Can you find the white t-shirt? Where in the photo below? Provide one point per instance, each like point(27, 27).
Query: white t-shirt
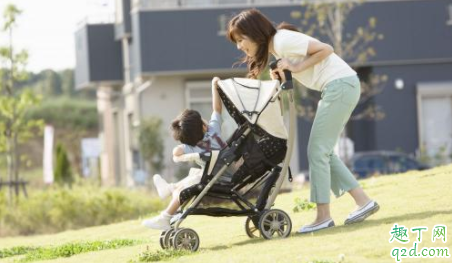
point(293, 46)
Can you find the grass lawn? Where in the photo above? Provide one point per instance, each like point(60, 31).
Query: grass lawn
point(412, 199)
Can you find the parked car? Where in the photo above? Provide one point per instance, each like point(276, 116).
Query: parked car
point(365, 164)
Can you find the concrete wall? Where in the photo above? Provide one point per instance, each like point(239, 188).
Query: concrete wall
point(399, 129)
point(190, 39)
point(165, 98)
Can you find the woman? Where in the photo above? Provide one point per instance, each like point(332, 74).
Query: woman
point(314, 65)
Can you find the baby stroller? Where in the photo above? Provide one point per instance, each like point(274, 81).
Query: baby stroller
point(262, 142)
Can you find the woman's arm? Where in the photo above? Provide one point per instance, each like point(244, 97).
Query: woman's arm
point(317, 51)
point(216, 101)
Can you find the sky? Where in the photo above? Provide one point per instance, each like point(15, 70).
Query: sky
point(46, 29)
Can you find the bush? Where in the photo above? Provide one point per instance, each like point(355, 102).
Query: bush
point(63, 171)
point(57, 209)
point(151, 142)
point(68, 113)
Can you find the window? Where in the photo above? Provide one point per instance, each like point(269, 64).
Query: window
point(199, 97)
point(449, 22)
point(434, 102)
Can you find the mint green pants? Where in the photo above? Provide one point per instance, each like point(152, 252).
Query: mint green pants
point(326, 170)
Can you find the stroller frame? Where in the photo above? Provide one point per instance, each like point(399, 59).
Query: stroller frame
point(259, 216)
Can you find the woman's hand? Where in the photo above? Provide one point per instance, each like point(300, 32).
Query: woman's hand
point(284, 64)
point(277, 74)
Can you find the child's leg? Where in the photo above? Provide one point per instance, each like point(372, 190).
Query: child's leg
point(193, 177)
point(164, 189)
point(162, 221)
point(174, 204)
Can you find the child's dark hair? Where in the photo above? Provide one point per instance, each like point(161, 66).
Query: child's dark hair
point(188, 127)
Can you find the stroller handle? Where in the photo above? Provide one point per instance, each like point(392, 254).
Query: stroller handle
point(287, 74)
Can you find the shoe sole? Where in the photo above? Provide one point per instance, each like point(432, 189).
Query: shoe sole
point(364, 216)
point(329, 226)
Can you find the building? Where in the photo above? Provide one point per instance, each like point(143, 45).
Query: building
point(160, 55)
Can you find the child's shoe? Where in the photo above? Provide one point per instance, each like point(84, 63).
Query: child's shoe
point(160, 222)
point(164, 189)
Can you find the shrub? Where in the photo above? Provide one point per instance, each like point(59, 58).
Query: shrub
point(68, 113)
point(57, 209)
point(151, 142)
point(63, 171)
point(303, 205)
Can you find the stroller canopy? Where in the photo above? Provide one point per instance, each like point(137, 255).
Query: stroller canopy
point(253, 99)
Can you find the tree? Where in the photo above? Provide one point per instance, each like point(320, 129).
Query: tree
point(151, 142)
point(50, 83)
point(63, 171)
point(67, 82)
point(327, 19)
point(15, 128)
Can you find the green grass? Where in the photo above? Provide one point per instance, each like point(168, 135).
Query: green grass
point(412, 199)
point(65, 250)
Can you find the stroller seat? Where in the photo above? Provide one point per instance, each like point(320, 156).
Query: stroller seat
point(262, 142)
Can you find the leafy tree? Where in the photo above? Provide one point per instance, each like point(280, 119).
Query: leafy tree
point(14, 104)
point(67, 82)
point(50, 83)
point(151, 142)
point(327, 19)
point(63, 171)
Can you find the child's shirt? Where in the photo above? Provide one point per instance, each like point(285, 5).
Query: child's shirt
point(212, 141)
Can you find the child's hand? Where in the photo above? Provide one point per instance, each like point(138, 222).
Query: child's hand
point(215, 81)
point(216, 101)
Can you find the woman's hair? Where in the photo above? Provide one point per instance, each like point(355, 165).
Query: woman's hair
point(188, 127)
point(260, 30)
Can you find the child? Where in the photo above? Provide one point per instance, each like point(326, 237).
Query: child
point(196, 136)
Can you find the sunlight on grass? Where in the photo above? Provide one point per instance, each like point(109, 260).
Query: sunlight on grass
point(418, 198)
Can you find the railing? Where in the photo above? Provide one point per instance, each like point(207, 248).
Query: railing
point(101, 18)
point(16, 185)
point(176, 4)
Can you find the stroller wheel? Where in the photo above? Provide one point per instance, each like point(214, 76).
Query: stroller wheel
point(186, 239)
point(164, 238)
point(171, 238)
point(250, 228)
point(275, 223)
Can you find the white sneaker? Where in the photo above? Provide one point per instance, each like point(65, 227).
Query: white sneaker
point(312, 228)
point(362, 213)
point(160, 222)
point(175, 217)
point(164, 189)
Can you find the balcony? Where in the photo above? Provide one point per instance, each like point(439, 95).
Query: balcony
point(98, 56)
point(196, 4)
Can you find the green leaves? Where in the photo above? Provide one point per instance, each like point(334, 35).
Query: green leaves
point(160, 255)
point(151, 142)
point(65, 250)
point(10, 14)
point(57, 209)
point(303, 205)
point(15, 251)
point(12, 112)
point(63, 171)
